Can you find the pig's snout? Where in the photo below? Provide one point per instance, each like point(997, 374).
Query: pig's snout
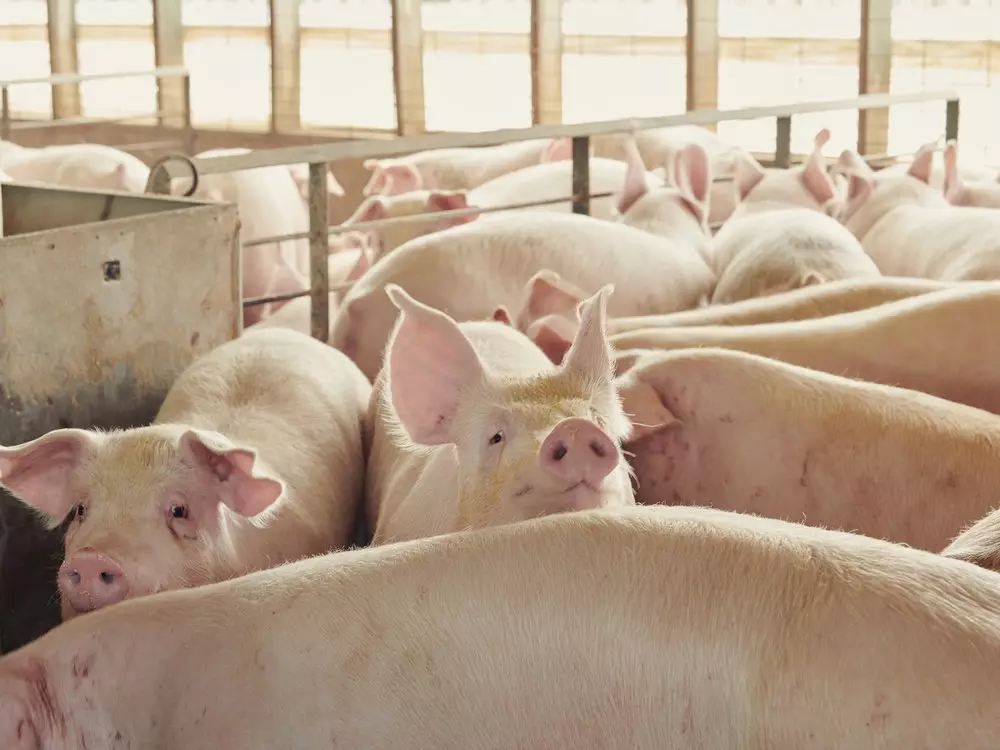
point(578, 451)
point(90, 580)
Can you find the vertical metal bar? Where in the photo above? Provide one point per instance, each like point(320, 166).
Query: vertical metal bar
point(408, 66)
point(546, 62)
point(188, 135)
point(168, 47)
point(702, 52)
point(951, 120)
point(4, 113)
point(581, 174)
point(319, 251)
point(874, 70)
point(286, 50)
point(783, 143)
point(63, 57)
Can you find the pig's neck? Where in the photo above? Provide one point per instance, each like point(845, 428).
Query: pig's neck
point(246, 545)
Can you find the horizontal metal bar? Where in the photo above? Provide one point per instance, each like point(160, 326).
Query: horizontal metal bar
point(166, 72)
point(285, 296)
point(83, 120)
point(370, 148)
point(148, 145)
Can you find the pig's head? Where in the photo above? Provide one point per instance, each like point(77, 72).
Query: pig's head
point(391, 177)
point(547, 293)
point(870, 195)
point(808, 186)
point(153, 508)
point(959, 193)
point(979, 544)
point(526, 446)
point(300, 173)
point(385, 239)
point(677, 210)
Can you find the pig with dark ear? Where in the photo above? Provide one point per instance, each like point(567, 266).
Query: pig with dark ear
point(254, 459)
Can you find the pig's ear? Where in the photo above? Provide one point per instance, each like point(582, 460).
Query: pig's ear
point(553, 334)
point(625, 360)
point(502, 315)
point(376, 183)
point(953, 187)
point(333, 186)
point(372, 209)
point(644, 408)
point(590, 356)
point(362, 265)
point(430, 363)
point(659, 173)
point(549, 294)
point(235, 474)
point(814, 174)
point(450, 200)
point(923, 163)
point(40, 471)
point(635, 186)
point(811, 278)
point(692, 176)
point(859, 176)
point(748, 175)
point(559, 149)
point(402, 178)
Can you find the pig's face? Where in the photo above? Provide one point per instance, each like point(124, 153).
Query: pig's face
point(151, 508)
point(526, 447)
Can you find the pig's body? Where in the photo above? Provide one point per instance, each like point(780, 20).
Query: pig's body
point(269, 205)
point(468, 271)
point(528, 438)
point(979, 543)
point(982, 193)
point(716, 630)
point(267, 426)
point(880, 461)
point(79, 165)
point(968, 172)
point(451, 168)
point(819, 301)
point(909, 228)
point(779, 238)
point(933, 343)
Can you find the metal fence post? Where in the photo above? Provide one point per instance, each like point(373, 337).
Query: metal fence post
point(188, 136)
point(319, 251)
point(4, 112)
point(951, 120)
point(581, 174)
point(783, 143)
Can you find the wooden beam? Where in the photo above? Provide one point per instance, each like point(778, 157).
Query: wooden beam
point(408, 67)
point(702, 54)
point(874, 71)
point(546, 62)
point(286, 50)
point(63, 57)
point(168, 46)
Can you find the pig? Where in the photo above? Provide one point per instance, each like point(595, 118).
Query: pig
point(716, 630)
point(77, 165)
point(658, 147)
point(938, 168)
point(807, 303)
point(300, 173)
point(474, 427)
point(934, 343)
point(297, 314)
point(540, 182)
point(255, 458)
point(452, 168)
point(882, 461)
point(979, 543)
point(269, 205)
point(909, 228)
point(779, 238)
point(4, 177)
point(469, 270)
point(958, 192)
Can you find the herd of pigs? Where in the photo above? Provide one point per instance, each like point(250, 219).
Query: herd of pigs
point(625, 481)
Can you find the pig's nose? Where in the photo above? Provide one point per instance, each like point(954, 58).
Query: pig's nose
point(90, 580)
point(578, 450)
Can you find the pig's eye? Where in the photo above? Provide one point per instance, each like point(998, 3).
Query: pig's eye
point(178, 511)
point(79, 511)
point(497, 438)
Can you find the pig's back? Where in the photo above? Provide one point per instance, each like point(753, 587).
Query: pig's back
point(823, 655)
point(298, 402)
point(467, 271)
